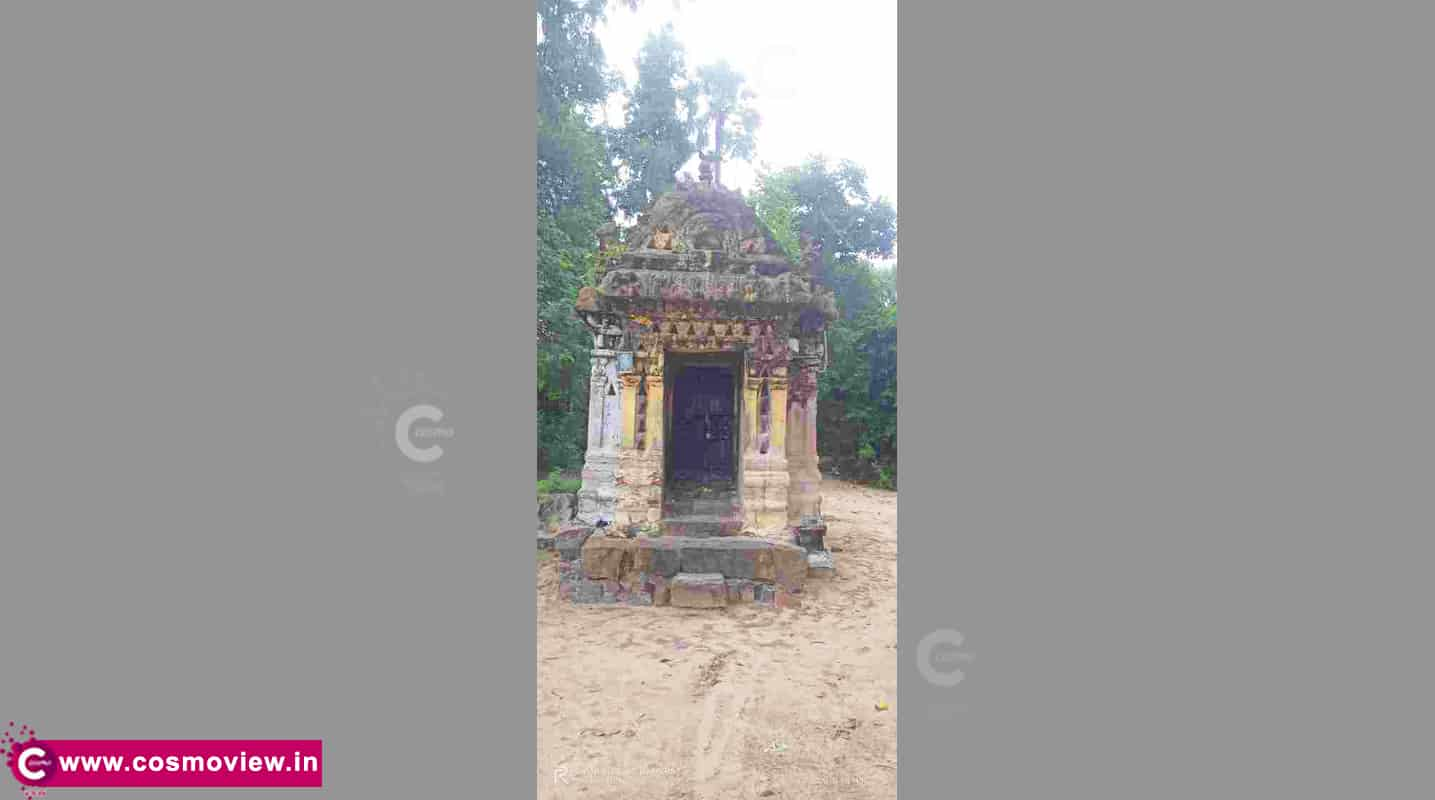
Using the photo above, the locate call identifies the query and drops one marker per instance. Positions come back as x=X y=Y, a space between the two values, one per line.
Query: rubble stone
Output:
x=570 y=540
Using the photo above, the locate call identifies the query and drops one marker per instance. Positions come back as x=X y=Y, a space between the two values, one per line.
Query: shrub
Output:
x=555 y=483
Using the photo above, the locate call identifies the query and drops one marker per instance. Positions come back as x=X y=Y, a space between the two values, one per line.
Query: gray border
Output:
x=222 y=223
x=1166 y=409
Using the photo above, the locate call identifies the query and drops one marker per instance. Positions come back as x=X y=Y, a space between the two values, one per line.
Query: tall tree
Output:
x=656 y=138
x=857 y=397
x=572 y=71
x=573 y=174
x=723 y=108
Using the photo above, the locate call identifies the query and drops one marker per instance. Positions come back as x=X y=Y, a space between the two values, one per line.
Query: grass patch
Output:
x=555 y=483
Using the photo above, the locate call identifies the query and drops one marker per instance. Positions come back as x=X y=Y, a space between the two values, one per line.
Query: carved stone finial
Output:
x=662 y=239
x=607 y=236
x=811 y=255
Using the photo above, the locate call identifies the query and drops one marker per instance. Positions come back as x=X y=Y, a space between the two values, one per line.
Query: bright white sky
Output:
x=825 y=74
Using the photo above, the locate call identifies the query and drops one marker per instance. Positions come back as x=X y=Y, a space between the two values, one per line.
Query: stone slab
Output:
x=607 y=557
x=658 y=556
x=731 y=556
x=698 y=590
x=791 y=566
x=821 y=565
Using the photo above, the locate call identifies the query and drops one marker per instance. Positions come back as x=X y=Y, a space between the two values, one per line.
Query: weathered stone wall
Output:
x=603 y=566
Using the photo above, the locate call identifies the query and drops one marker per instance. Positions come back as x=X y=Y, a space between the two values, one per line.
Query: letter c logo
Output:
x=402 y=433
x=22 y=763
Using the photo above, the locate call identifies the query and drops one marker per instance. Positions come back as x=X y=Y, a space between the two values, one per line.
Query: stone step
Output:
x=699 y=526
x=698 y=590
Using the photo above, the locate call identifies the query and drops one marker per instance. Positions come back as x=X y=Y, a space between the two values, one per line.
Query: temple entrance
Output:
x=700 y=485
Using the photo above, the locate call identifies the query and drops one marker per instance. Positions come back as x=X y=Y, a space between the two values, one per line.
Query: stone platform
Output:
x=597 y=565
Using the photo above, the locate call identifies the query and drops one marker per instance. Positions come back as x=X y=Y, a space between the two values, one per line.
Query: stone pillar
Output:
x=804 y=490
x=640 y=458
x=653 y=441
x=597 y=498
x=764 y=474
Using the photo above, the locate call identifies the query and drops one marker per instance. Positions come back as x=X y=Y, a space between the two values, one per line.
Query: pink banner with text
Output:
x=168 y=763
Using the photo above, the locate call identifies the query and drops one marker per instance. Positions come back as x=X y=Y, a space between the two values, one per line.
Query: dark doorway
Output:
x=702 y=437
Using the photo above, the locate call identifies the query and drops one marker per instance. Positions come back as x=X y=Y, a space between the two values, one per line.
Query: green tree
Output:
x=857 y=394
x=572 y=70
x=657 y=136
x=573 y=177
x=775 y=201
x=722 y=106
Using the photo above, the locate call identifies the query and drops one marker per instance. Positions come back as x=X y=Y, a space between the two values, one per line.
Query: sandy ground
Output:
x=743 y=702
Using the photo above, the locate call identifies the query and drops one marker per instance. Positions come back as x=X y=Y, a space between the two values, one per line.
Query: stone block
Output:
x=751 y=558
x=810 y=534
x=698 y=590
x=731 y=556
x=658 y=556
x=607 y=557
x=820 y=565
x=581 y=590
x=545 y=540
x=570 y=540
x=741 y=590
x=657 y=586
x=791 y=566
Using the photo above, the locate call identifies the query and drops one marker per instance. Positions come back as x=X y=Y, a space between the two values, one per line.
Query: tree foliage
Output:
x=724 y=102
x=574 y=175
x=572 y=70
x=857 y=394
x=586 y=173
x=657 y=135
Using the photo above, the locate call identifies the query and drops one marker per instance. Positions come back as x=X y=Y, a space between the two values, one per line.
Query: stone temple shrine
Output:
x=702 y=440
